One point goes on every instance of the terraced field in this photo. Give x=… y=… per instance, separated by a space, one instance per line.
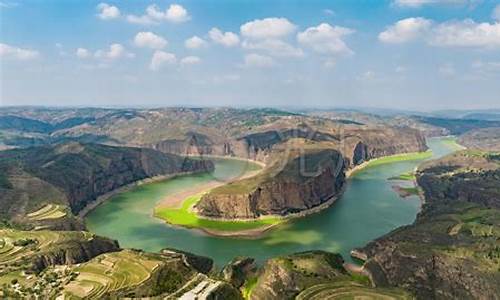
x=16 y=245
x=120 y=273
x=350 y=290
x=48 y=212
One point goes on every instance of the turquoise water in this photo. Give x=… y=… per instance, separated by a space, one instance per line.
x=368 y=209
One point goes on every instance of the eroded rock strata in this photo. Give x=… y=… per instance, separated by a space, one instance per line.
x=304 y=182
x=74 y=175
x=452 y=251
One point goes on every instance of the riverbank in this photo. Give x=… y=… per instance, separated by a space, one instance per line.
x=185 y=216
x=104 y=197
x=389 y=159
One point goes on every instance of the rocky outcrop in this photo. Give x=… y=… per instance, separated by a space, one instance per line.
x=72 y=252
x=202 y=264
x=239 y=270
x=368 y=143
x=303 y=183
x=466 y=176
x=486 y=139
x=285 y=277
x=76 y=174
x=451 y=251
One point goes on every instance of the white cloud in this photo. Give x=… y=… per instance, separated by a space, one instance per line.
x=161 y=58
x=496 y=13
x=274 y=47
x=175 y=13
x=420 y=3
x=259 y=61
x=195 y=42
x=326 y=39
x=149 y=40
x=115 y=51
x=405 y=30
x=267 y=28
x=107 y=12
x=141 y=20
x=7 y=51
x=466 y=33
x=227 y=39
x=82 y=53
x=190 y=60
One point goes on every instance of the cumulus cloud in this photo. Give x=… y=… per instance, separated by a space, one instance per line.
x=115 y=51
x=326 y=39
x=267 y=28
x=274 y=47
x=466 y=33
x=405 y=30
x=141 y=20
x=259 y=61
x=461 y=33
x=227 y=39
x=161 y=58
x=190 y=60
x=195 y=42
x=107 y=12
x=149 y=40
x=12 y=52
x=175 y=13
x=82 y=53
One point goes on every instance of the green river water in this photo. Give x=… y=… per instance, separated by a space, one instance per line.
x=368 y=209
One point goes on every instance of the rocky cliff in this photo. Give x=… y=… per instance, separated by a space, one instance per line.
x=485 y=139
x=302 y=183
x=452 y=250
x=76 y=174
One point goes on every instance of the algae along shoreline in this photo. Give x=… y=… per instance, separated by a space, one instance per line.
x=368 y=207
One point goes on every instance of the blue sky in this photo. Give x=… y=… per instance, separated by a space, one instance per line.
x=414 y=54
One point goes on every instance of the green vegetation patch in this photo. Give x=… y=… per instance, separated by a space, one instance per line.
x=246 y=289
x=409 y=176
x=399 y=157
x=410 y=190
x=185 y=217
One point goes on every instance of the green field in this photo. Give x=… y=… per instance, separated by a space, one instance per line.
x=185 y=217
x=111 y=272
x=399 y=157
x=452 y=143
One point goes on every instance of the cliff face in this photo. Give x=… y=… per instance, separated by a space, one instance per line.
x=303 y=183
x=451 y=251
x=357 y=144
x=362 y=145
x=76 y=174
x=73 y=252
